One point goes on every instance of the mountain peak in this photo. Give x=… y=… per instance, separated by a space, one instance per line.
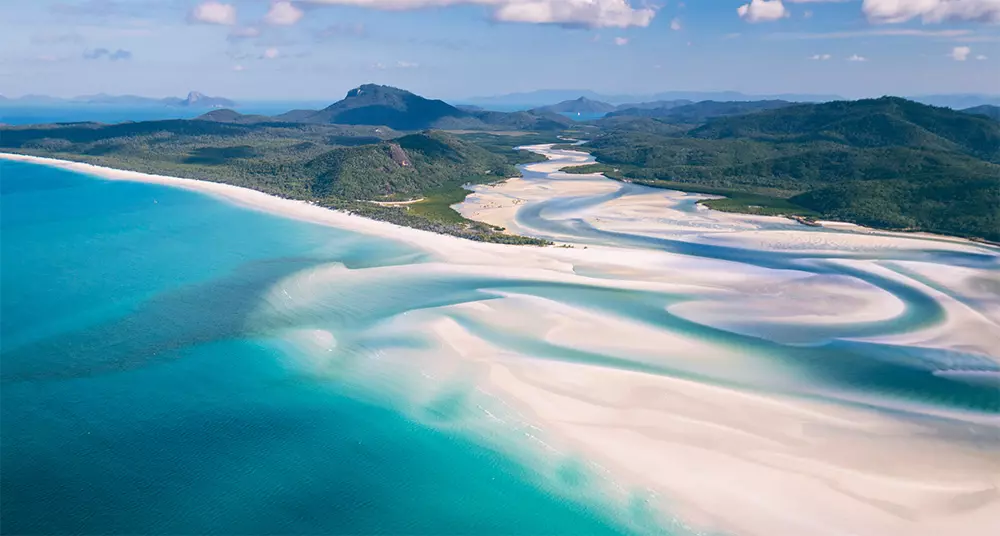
x=374 y=89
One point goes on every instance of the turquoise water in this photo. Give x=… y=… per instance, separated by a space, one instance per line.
x=141 y=393
x=173 y=364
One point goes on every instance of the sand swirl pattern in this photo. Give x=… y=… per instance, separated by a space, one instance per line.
x=673 y=368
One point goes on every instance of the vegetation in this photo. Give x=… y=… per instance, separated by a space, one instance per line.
x=887 y=163
x=699 y=112
x=342 y=167
x=986 y=110
x=373 y=104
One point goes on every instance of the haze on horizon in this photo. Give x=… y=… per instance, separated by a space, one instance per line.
x=454 y=49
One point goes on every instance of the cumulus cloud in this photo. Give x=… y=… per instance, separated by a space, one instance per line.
x=820 y=57
x=960 y=53
x=213 y=12
x=762 y=11
x=929 y=11
x=591 y=13
x=621 y=41
x=103 y=53
x=283 y=14
x=675 y=24
x=855 y=57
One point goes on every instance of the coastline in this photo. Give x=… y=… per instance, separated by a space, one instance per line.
x=814 y=467
x=809 y=221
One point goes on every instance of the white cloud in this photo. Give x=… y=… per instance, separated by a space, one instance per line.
x=675 y=24
x=270 y=54
x=855 y=57
x=820 y=57
x=407 y=65
x=238 y=68
x=981 y=57
x=895 y=11
x=762 y=11
x=214 y=13
x=283 y=14
x=621 y=41
x=592 y=13
x=960 y=53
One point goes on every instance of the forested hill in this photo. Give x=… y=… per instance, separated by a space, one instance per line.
x=986 y=110
x=372 y=104
x=347 y=167
x=884 y=122
x=888 y=162
x=699 y=112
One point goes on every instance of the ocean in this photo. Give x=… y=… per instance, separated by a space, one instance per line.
x=172 y=363
x=21 y=114
x=143 y=393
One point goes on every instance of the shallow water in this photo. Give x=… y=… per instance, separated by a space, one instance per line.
x=144 y=392
x=175 y=364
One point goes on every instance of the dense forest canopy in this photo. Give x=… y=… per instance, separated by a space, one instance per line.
x=888 y=162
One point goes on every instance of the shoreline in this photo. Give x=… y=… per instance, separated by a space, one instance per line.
x=808 y=221
x=816 y=467
x=256 y=200
x=296 y=208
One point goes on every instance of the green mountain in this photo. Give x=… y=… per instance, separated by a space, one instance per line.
x=884 y=122
x=699 y=112
x=986 y=110
x=338 y=166
x=372 y=104
x=403 y=167
x=888 y=162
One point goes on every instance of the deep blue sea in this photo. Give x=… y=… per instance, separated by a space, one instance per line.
x=138 y=397
x=19 y=114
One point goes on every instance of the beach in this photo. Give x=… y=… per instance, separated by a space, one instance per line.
x=741 y=374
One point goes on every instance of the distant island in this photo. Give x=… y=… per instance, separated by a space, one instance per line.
x=194 y=99
x=888 y=163
x=582 y=105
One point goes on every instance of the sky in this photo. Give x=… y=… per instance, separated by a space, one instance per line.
x=454 y=49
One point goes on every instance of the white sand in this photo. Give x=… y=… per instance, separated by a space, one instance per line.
x=724 y=458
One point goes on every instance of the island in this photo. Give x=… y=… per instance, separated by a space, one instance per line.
x=887 y=163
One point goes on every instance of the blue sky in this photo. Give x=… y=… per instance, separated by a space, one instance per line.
x=318 y=49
